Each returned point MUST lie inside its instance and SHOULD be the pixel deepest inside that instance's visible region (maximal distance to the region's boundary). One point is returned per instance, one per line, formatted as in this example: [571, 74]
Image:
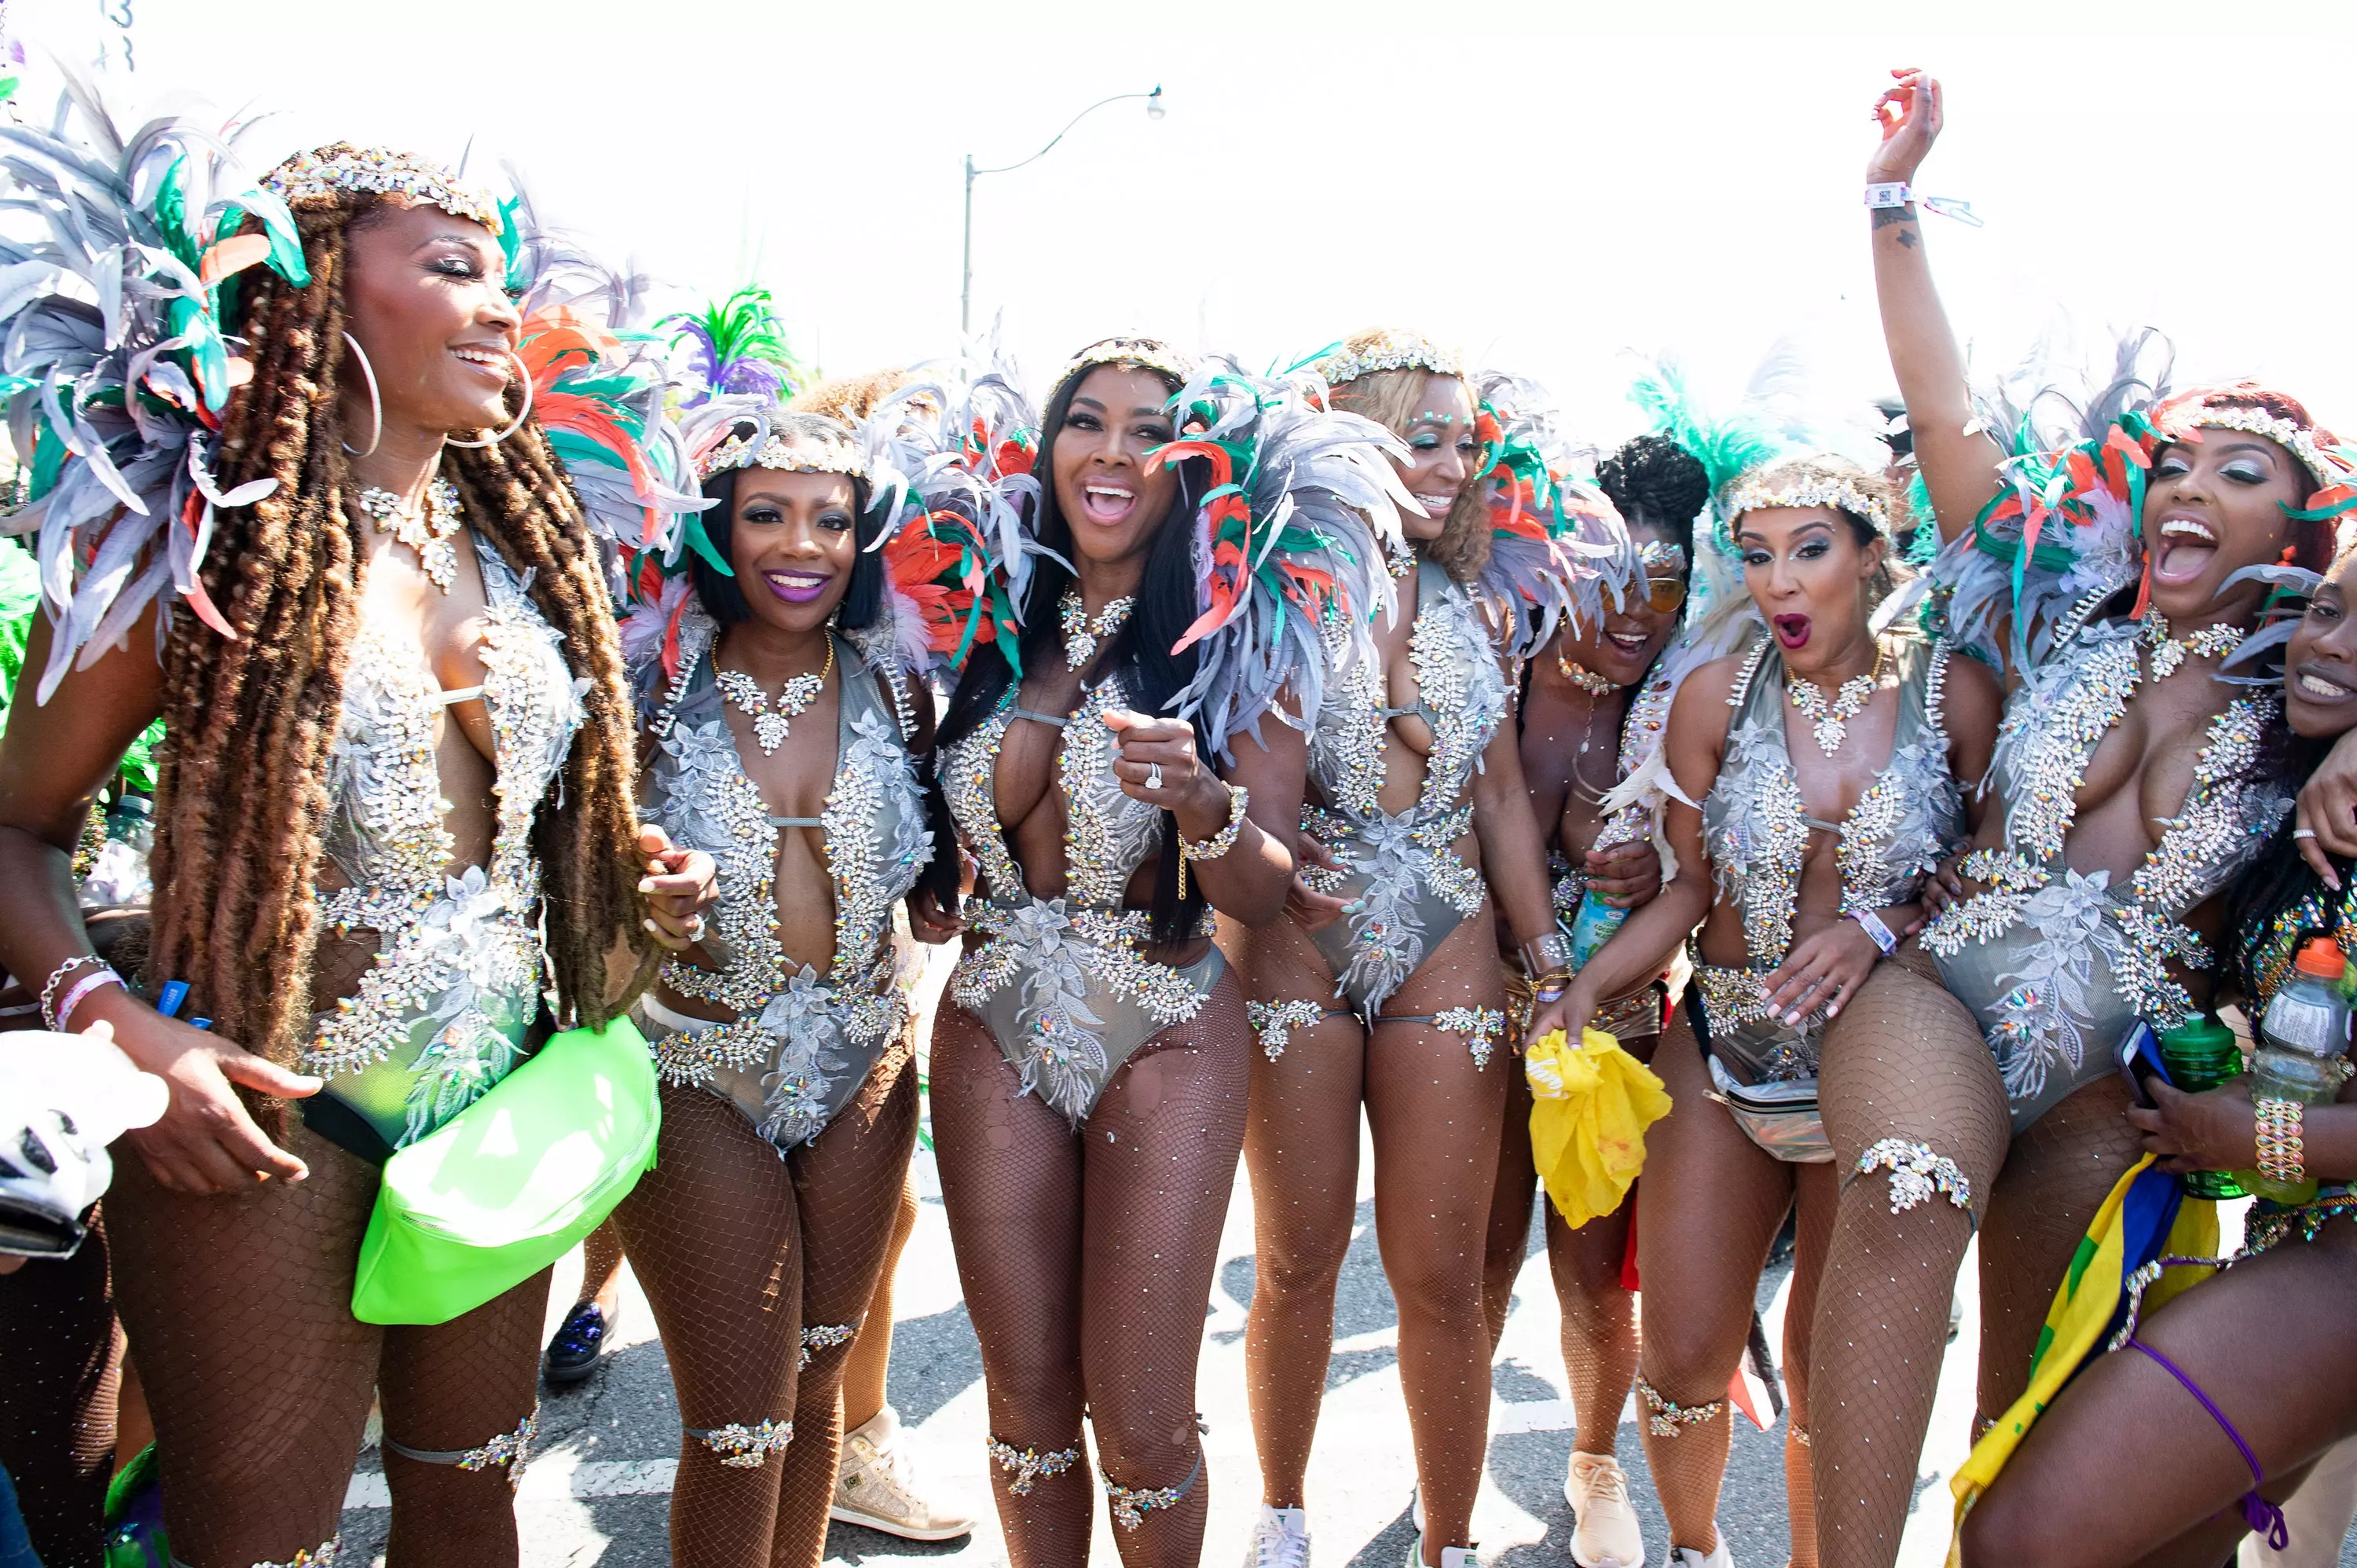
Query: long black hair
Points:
[1153, 676]
[2279, 880]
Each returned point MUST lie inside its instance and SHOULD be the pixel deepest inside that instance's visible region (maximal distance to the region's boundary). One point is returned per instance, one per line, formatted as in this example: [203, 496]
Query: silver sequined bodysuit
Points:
[1065, 986]
[1403, 871]
[802, 1044]
[1757, 829]
[2059, 967]
[440, 1017]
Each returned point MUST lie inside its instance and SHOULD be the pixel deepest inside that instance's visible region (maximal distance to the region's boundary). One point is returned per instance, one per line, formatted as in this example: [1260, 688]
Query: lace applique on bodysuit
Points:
[1065, 984]
[440, 1017]
[1757, 828]
[802, 1044]
[1412, 887]
[2059, 966]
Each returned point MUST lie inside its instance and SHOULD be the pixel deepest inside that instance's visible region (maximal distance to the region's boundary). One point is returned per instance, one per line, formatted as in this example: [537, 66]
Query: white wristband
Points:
[1871, 923]
[1891, 193]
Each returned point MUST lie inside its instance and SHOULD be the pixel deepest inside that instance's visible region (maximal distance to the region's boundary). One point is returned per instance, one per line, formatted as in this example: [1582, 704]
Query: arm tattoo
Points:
[1884, 217]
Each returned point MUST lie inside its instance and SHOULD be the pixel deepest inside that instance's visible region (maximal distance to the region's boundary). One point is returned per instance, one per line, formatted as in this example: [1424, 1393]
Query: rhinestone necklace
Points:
[2169, 652]
[769, 726]
[1831, 719]
[427, 530]
[1586, 680]
[1083, 636]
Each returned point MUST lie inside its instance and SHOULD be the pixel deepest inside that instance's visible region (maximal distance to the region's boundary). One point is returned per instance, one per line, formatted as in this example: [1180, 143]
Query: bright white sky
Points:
[1547, 187]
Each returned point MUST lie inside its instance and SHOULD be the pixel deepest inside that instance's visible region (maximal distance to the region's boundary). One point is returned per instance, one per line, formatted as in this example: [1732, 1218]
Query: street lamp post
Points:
[1154, 109]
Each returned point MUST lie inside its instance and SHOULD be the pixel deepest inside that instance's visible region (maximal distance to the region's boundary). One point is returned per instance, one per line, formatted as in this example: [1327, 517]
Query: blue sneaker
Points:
[572, 1349]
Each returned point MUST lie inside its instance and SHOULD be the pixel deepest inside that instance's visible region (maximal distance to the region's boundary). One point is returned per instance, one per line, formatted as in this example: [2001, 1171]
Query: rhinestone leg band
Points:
[825, 1336]
[324, 1556]
[743, 1448]
[1916, 1173]
[1028, 1465]
[512, 1449]
[1670, 1418]
[1132, 1504]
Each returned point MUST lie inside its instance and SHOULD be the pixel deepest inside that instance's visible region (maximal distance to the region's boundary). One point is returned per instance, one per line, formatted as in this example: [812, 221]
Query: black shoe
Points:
[573, 1349]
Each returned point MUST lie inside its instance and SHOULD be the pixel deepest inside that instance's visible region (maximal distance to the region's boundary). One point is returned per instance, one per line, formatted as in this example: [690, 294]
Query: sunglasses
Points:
[1665, 594]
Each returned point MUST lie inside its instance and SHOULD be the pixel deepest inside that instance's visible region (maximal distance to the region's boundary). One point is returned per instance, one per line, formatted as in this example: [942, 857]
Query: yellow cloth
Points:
[1589, 1109]
[2082, 1311]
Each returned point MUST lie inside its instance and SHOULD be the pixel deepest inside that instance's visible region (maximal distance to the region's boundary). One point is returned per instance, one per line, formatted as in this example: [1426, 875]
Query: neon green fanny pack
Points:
[506, 1188]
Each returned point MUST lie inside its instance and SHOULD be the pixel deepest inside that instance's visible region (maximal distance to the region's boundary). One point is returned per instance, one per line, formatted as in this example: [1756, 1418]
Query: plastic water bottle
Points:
[2202, 1054]
[2301, 1040]
[1592, 927]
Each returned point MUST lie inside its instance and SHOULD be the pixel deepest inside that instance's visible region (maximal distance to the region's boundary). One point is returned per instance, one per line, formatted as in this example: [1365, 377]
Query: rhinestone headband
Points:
[1842, 495]
[1391, 352]
[793, 455]
[1150, 352]
[384, 172]
[2300, 440]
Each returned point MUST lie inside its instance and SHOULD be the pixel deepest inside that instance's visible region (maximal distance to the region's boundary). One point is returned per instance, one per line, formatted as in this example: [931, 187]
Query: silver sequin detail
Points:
[1272, 1022]
[825, 1336]
[1670, 1418]
[1916, 1173]
[1480, 1025]
[324, 1556]
[742, 1447]
[1029, 1465]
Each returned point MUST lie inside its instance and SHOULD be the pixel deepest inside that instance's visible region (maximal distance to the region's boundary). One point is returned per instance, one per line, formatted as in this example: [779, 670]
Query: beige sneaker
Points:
[876, 1486]
[1605, 1535]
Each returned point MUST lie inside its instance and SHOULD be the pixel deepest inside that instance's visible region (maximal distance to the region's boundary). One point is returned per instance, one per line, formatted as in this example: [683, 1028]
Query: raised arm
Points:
[1959, 470]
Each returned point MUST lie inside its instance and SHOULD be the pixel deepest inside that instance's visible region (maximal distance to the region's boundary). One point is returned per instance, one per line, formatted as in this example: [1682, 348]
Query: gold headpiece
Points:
[1390, 351]
[385, 172]
[1150, 352]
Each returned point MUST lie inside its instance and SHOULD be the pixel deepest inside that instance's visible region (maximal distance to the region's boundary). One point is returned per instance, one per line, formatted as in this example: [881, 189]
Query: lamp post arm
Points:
[1043, 152]
[965, 283]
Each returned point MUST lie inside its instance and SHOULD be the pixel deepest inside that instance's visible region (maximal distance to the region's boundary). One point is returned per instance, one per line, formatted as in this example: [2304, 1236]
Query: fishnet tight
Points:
[1904, 1060]
[2060, 1171]
[1086, 1259]
[259, 1377]
[1714, 1200]
[1435, 1120]
[870, 1356]
[58, 1396]
[739, 1250]
[1599, 1317]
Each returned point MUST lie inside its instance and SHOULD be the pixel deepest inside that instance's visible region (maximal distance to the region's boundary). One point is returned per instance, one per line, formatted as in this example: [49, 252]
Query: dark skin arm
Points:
[54, 759]
[2217, 1130]
[1250, 881]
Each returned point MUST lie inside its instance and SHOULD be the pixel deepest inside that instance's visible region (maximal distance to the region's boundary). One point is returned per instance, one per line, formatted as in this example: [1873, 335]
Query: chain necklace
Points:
[427, 530]
[1586, 680]
[2169, 652]
[746, 695]
[1831, 719]
[1083, 636]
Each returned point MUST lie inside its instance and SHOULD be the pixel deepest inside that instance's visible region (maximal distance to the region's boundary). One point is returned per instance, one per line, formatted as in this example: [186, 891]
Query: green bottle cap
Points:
[2201, 1053]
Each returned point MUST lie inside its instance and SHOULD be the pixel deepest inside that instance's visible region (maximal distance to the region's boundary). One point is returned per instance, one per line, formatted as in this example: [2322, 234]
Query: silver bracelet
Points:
[1220, 843]
[1546, 955]
[57, 977]
[103, 975]
[1871, 923]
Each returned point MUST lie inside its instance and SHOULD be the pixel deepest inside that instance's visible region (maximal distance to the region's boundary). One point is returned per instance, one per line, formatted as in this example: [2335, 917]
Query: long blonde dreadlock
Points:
[243, 796]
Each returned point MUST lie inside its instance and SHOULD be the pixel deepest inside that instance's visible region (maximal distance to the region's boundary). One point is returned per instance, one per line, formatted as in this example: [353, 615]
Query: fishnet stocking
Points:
[1510, 1207]
[1436, 1117]
[1086, 1260]
[58, 1396]
[259, 1377]
[2058, 1174]
[1816, 1199]
[1904, 1061]
[1713, 1202]
[601, 1262]
[739, 1250]
[870, 1360]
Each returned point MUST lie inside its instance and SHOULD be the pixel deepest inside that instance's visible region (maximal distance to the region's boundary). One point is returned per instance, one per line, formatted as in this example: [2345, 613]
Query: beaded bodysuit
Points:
[1756, 829]
[441, 1014]
[802, 1043]
[1065, 986]
[1404, 870]
[2059, 967]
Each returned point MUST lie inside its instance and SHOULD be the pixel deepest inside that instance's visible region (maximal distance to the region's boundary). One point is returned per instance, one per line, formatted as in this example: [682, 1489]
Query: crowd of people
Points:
[1275, 749]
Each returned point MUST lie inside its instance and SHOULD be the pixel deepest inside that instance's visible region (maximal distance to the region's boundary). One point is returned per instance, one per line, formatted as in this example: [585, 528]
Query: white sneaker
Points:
[876, 1486]
[1281, 1539]
[1606, 1534]
[1687, 1557]
[1450, 1556]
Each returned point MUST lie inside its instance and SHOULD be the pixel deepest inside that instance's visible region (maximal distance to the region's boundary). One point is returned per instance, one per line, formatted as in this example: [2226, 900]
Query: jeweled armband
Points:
[1220, 843]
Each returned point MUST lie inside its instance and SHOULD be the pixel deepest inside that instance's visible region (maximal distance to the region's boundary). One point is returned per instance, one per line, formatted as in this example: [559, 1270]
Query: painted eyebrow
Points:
[1817, 522]
[2261, 447]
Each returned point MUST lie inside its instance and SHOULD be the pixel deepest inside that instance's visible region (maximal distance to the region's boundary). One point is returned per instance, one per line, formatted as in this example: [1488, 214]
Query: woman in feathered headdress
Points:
[290, 497]
[786, 742]
[1122, 766]
[1382, 988]
[1594, 702]
[2115, 572]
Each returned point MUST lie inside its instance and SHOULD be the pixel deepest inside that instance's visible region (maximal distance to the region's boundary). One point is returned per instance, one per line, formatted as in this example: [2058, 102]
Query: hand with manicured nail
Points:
[1310, 909]
[679, 886]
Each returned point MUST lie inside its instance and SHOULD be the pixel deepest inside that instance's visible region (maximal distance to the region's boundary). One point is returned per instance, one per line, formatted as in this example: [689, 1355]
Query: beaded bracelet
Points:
[57, 977]
[103, 975]
[1220, 843]
[2281, 1150]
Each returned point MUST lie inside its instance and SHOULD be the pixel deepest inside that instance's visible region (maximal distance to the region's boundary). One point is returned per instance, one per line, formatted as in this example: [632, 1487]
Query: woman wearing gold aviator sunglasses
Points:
[1593, 706]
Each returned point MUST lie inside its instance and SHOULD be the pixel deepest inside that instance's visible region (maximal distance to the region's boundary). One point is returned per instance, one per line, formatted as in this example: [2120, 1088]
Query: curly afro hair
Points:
[1658, 484]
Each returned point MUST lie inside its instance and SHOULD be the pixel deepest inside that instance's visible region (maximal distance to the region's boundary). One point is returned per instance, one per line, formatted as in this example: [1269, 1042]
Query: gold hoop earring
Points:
[522, 414]
[376, 407]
